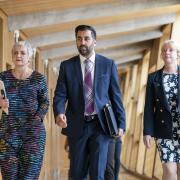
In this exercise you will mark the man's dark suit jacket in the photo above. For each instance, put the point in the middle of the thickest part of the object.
(157, 114)
(70, 88)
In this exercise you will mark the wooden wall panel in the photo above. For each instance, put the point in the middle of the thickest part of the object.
(6, 42)
(144, 64)
(141, 148)
(155, 54)
(130, 115)
(157, 166)
(125, 100)
(149, 161)
(166, 35)
(39, 65)
(175, 30)
(132, 119)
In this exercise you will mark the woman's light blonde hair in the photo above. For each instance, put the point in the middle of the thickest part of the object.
(25, 44)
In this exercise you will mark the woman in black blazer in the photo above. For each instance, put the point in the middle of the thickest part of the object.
(162, 111)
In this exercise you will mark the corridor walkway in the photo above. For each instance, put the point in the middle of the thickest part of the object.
(124, 175)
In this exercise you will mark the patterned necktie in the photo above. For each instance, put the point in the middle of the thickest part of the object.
(88, 87)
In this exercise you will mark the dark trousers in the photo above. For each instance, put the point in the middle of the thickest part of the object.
(113, 160)
(89, 153)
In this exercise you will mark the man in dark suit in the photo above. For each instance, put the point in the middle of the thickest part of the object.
(86, 83)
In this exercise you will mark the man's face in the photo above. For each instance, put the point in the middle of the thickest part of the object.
(85, 43)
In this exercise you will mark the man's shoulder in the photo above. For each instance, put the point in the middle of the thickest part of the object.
(103, 58)
(70, 60)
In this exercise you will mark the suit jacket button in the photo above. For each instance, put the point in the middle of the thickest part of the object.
(161, 110)
(162, 121)
(157, 99)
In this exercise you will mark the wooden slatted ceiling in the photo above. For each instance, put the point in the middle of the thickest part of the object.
(117, 26)
(108, 36)
(17, 7)
(33, 32)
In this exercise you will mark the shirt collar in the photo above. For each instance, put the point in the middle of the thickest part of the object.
(92, 58)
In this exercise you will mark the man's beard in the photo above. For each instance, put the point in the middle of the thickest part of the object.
(84, 50)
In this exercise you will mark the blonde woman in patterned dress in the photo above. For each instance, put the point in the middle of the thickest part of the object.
(162, 111)
(22, 132)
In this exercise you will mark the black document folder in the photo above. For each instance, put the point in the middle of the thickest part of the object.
(110, 120)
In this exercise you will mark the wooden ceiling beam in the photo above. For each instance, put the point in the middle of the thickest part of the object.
(135, 57)
(127, 50)
(119, 27)
(107, 36)
(17, 7)
(106, 12)
(103, 45)
(33, 32)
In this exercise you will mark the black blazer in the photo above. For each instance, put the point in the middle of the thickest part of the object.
(157, 114)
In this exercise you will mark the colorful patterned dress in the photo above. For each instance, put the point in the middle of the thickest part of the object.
(170, 148)
(22, 132)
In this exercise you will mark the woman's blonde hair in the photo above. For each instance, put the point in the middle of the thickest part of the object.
(25, 44)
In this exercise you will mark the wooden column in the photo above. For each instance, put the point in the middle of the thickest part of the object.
(6, 42)
(175, 29)
(141, 148)
(129, 107)
(157, 171)
(39, 65)
(142, 79)
(125, 100)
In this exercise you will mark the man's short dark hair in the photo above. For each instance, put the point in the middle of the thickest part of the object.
(84, 28)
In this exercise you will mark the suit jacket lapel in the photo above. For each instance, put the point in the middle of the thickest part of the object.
(96, 70)
(78, 71)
